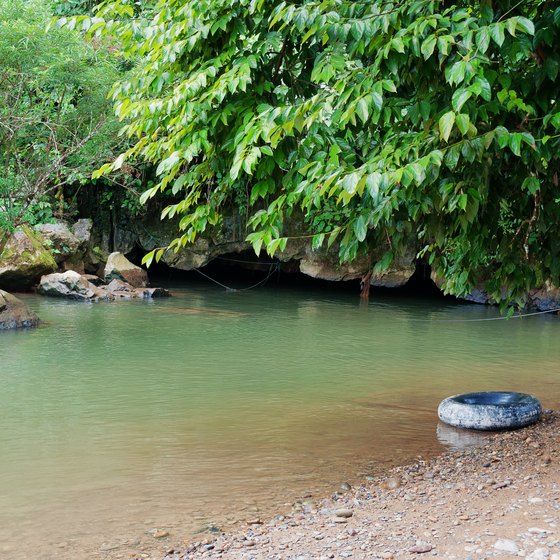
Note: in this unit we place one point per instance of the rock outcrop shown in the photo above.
(118, 267)
(24, 260)
(14, 314)
(71, 285)
(63, 242)
(323, 264)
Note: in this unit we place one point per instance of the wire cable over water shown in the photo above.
(274, 267)
(519, 316)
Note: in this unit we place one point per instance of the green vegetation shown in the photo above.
(56, 123)
(385, 124)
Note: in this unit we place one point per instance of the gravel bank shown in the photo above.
(498, 500)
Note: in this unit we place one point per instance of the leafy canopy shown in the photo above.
(386, 125)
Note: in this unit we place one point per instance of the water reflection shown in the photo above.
(457, 438)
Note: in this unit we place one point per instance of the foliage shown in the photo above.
(387, 124)
(55, 119)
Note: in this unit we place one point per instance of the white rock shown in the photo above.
(538, 554)
(506, 545)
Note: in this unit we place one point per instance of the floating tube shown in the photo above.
(492, 410)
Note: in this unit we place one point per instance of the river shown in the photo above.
(121, 419)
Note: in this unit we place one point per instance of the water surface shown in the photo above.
(202, 409)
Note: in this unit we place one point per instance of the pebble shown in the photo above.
(391, 484)
(537, 531)
(344, 512)
(421, 548)
(345, 487)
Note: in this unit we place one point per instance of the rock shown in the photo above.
(63, 242)
(545, 298)
(506, 545)
(398, 274)
(421, 548)
(391, 483)
(24, 260)
(70, 285)
(161, 534)
(120, 268)
(82, 231)
(95, 280)
(14, 314)
(94, 260)
(538, 554)
(148, 293)
(119, 286)
(345, 487)
(344, 512)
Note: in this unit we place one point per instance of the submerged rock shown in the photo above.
(14, 314)
(118, 267)
(24, 260)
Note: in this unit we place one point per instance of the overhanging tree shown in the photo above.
(385, 124)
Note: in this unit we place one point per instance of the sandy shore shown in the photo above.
(498, 500)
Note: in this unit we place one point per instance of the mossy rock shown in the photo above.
(24, 260)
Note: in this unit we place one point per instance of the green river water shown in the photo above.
(209, 407)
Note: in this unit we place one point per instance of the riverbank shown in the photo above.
(501, 500)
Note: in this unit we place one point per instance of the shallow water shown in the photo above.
(207, 407)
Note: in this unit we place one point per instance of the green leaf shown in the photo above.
(360, 228)
(456, 73)
(362, 110)
(515, 143)
(525, 25)
(497, 32)
(446, 123)
(463, 121)
(460, 97)
(483, 40)
(531, 184)
(428, 46)
(350, 182)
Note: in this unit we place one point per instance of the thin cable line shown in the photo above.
(520, 316)
(273, 268)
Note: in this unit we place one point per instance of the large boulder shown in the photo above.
(24, 260)
(14, 314)
(70, 285)
(118, 267)
(64, 244)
